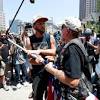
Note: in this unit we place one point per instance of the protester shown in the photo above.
(43, 44)
(19, 62)
(72, 62)
(4, 52)
(90, 46)
(97, 70)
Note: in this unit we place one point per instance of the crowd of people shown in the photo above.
(66, 61)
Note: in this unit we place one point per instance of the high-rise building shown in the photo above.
(2, 17)
(1, 5)
(2, 21)
(16, 27)
(93, 5)
(87, 9)
(82, 9)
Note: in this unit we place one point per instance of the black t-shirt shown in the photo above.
(34, 40)
(5, 53)
(71, 61)
(39, 43)
(90, 49)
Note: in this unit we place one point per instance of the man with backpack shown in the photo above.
(43, 44)
(71, 74)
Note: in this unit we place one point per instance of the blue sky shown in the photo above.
(55, 9)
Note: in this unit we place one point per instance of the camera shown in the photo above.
(28, 29)
(28, 26)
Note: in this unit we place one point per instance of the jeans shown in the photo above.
(39, 85)
(21, 67)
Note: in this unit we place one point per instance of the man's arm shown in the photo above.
(26, 40)
(61, 76)
(46, 52)
(93, 46)
(97, 50)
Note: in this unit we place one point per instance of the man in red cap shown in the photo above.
(43, 44)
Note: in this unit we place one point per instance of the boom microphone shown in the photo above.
(32, 1)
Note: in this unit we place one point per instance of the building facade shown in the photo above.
(82, 9)
(88, 10)
(16, 27)
(1, 5)
(2, 16)
(2, 21)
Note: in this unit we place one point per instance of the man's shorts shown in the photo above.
(2, 68)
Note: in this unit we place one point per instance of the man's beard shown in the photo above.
(40, 31)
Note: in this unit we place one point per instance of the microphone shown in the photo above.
(32, 1)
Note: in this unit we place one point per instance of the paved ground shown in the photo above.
(16, 94)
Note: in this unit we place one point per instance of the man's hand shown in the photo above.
(50, 65)
(50, 58)
(39, 59)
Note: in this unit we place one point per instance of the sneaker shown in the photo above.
(25, 84)
(5, 87)
(30, 95)
(19, 85)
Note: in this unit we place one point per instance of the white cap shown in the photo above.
(40, 18)
(72, 23)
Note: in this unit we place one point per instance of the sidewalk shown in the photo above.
(16, 94)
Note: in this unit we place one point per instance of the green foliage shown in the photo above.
(98, 5)
(98, 27)
(95, 25)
